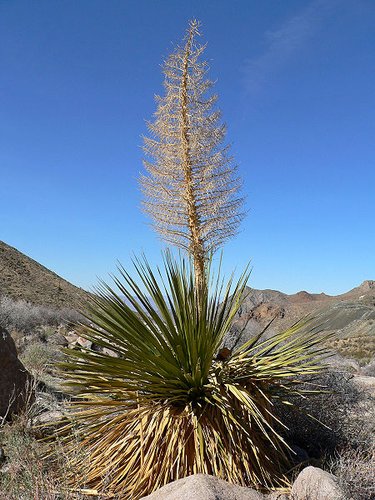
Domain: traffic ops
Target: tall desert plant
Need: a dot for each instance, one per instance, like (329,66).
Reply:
(161,400)
(191,189)
(168,404)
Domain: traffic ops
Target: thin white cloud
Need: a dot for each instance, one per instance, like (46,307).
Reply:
(285,42)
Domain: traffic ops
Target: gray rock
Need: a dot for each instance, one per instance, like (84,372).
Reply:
(15,380)
(85,343)
(109,352)
(316,484)
(276,495)
(204,487)
(58,339)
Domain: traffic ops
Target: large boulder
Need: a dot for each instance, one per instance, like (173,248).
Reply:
(311,484)
(15,380)
(316,484)
(205,487)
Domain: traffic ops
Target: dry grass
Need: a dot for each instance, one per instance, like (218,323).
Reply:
(39,359)
(25,475)
(361,347)
(33,470)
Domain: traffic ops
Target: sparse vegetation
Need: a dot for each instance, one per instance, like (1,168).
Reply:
(361,347)
(25,476)
(25,317)
(26,473)
(39,359)
(22,278)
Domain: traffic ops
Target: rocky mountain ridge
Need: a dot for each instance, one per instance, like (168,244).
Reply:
(350,315)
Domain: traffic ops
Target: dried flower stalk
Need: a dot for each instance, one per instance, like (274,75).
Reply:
(191,190)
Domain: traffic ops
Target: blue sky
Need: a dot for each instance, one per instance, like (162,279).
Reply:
(296,85)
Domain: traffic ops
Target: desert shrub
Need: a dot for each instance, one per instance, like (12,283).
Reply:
(26,475)
(369,369)
(39,358)
(323,423)
(361,347)
(32,468)
(172,393)
(355,471)
(25,317)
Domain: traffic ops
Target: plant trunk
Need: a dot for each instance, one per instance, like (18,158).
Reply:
(196,243)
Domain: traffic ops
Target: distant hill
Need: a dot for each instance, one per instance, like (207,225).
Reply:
(23,278)
(350,315)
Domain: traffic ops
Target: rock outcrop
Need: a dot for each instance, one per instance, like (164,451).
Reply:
(15,381)
(311,484)
(316,484)
(203,487)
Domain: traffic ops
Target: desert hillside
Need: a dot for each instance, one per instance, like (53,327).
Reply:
(351,315)
(23,278)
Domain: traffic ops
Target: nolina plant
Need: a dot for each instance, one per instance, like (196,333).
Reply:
(191,188)
(169,404)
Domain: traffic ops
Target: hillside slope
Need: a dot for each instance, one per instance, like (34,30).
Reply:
(350,315)
(23,278)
